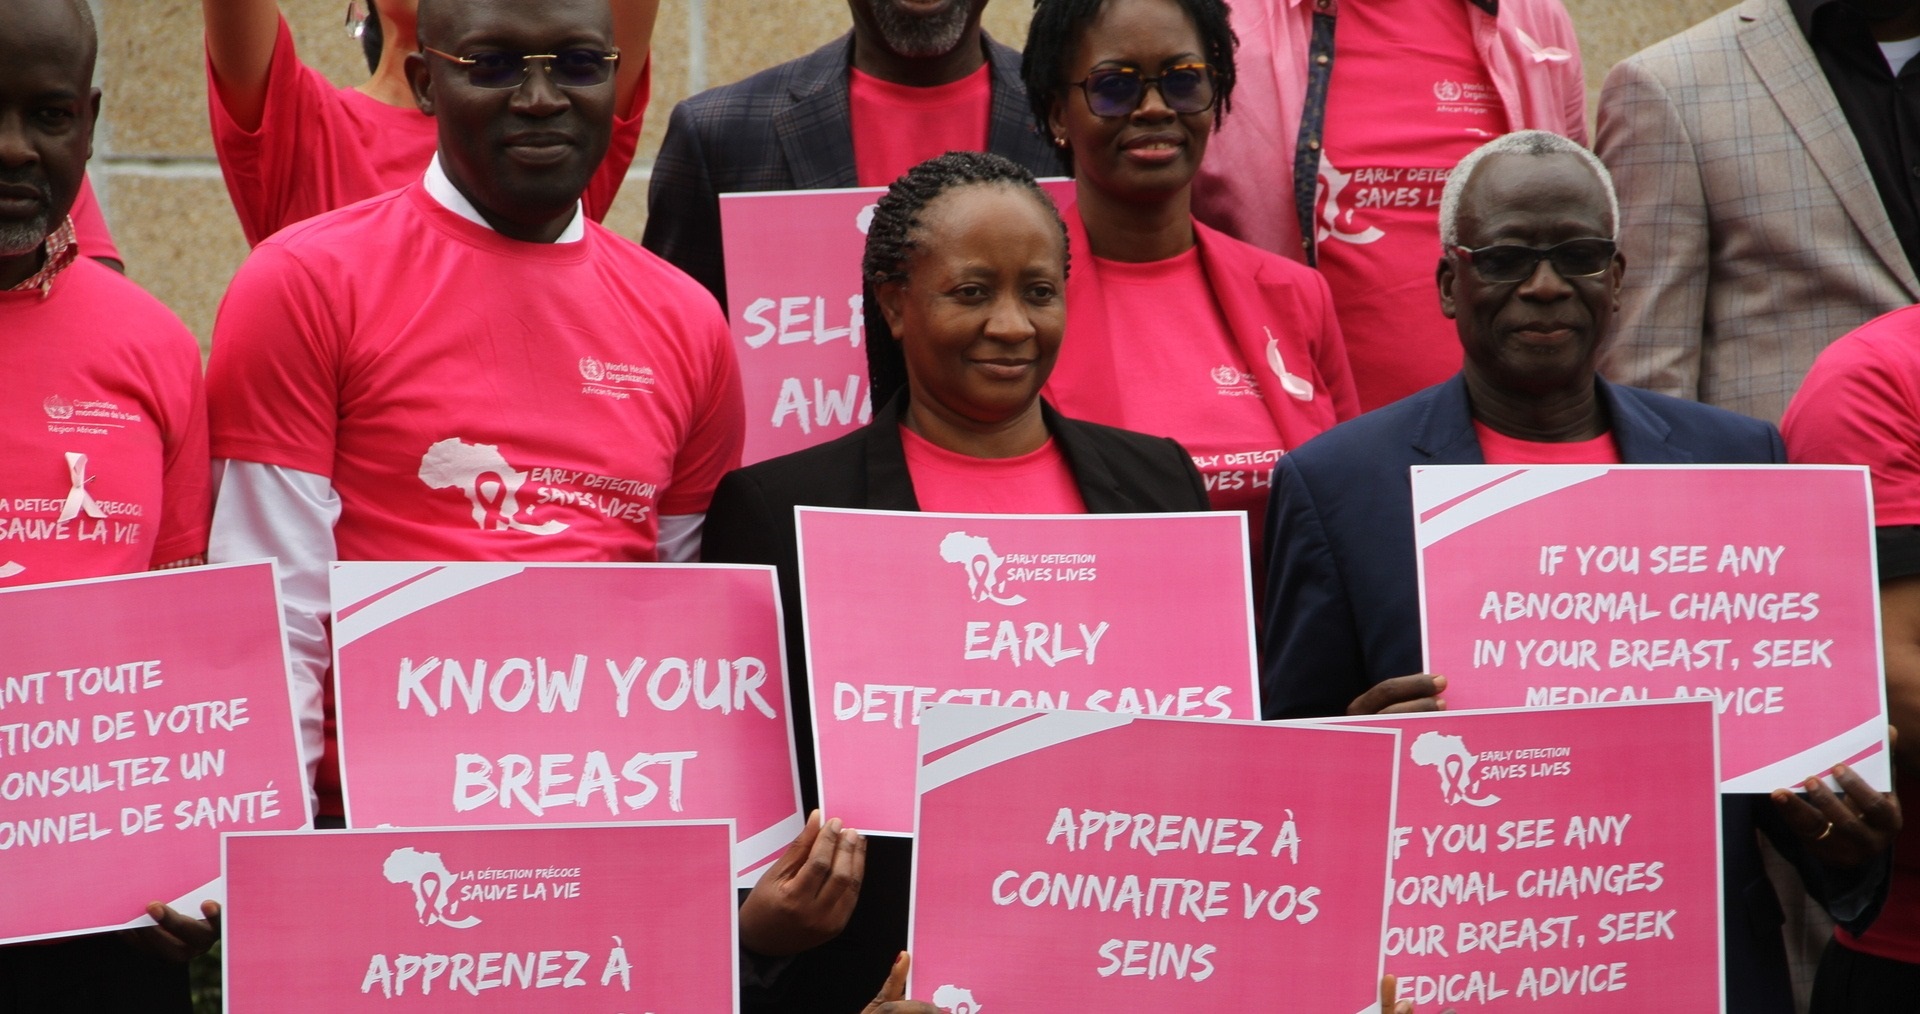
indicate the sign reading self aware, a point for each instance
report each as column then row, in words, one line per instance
column 794, row 298
column 140, row 717
column 1563, row 860
column 1147, row 614
column 1078, row 860
column 1752, row 586
column 598, row 919
column 492, row 693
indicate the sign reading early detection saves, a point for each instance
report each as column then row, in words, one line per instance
column 1563, row 860
column 1122, row 613
column 491, row 693
column 596, row 919
column 1081, row 860
column 1750, row 585
column 793, row 296
column 131, row 736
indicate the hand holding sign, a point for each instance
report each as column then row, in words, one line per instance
column 1842, row 832
column 176, row 937
column 892, row 998
column 1402, row 694
column 805, row 898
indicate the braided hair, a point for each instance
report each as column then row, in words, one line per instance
column 1055, row 35
column 892, row 238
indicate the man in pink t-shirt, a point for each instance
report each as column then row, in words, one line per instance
column 1341, row 141
column 467, row 368
column 103, row 444
column 911, row 81
column 291, row 145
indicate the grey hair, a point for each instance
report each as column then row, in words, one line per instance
column 1520, row 142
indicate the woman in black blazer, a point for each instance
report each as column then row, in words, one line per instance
column 965, row 266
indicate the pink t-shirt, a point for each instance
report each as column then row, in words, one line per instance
column 472, row 397
column 90, row 226
column 1186, row 378
column 1499, row 449
column 1038, row 482
column 1408, row 98
column 1860, row 405
column 102, row 421
column 896, row 127
column 319, row 147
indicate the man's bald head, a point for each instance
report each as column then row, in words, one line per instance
column 65, row 26
column 441, row 21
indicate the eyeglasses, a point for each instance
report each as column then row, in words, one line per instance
column 569, row 68
column 1575, row 258
column 1118, row 91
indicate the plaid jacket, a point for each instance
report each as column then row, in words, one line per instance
column 789, row 128
column 1752, row 230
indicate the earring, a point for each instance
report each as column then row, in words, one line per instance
column 1059, row 142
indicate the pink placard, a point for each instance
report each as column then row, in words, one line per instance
column 131, row 736
column 1107, row 862
column 1563, row 860
column 1752, row 585
column 487, row 693
column 1127, row 613
column 793, row 295
column 601, row 918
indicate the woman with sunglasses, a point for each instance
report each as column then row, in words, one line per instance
column 292, row 146
column 1177, row 330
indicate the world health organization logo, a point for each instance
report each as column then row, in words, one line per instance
column 592, row 370
column 1447, row 91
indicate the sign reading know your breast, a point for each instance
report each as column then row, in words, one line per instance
column 595, row 919
column 140, row 717
column 1078, row 860
column 1145, row 614
column 1563, row 860
column 495, row 693
column 794, row 299
column 1750, row 585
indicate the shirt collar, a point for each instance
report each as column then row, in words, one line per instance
column 440, row 187
column 62, row 250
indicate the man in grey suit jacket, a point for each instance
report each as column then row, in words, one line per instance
column 791, row 127
column 1755, row 226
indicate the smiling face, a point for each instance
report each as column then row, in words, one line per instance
column 47, row 108
column 980, row 315
column 522, row 155
column 1541, row 334
column 1153, row 152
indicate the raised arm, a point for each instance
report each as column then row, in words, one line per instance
column 633, row 33
column 240, row 36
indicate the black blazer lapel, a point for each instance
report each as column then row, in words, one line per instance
column 889, row 485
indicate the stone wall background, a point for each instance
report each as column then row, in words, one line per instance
column 153, row 158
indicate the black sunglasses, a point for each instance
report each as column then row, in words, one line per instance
column 1575, row 258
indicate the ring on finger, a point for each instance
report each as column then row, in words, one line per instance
column 1822, row 836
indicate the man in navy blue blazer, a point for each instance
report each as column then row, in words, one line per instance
column 1530, row 274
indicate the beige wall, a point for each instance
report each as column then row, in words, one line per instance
column 153, row 159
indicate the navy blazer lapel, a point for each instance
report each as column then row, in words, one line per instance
column 816, row 132
column 1641, row 436
column 1444, row 432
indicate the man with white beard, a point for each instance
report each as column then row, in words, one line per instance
column 914, row 79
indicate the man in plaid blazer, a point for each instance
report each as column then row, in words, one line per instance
column 1749, row 216
column 791, row 127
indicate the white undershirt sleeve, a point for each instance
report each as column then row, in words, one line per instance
column 680, row 538
column 269, row 511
